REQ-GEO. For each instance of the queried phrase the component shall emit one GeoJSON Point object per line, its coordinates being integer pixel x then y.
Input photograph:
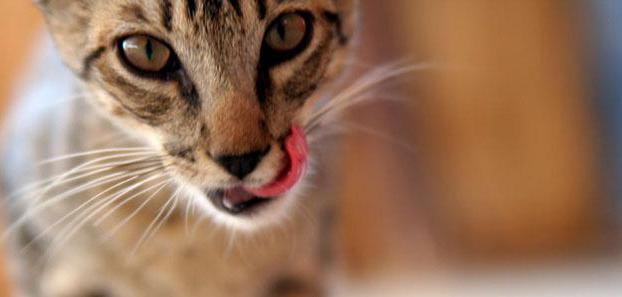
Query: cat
{"type": "Point", "coordinates": [187, 146]}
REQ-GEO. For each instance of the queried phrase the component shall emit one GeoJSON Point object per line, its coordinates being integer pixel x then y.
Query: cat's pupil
{"type": "Point", "coordinates": [282, 31]}
{"type": "Point", "coordinates": [149, 49]}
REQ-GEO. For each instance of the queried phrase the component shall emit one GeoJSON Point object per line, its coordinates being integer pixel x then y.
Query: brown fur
{"type": "Point", "coordinates": [226, 101]}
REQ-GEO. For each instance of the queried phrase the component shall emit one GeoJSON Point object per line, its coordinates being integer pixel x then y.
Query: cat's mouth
{"type": "Point", "coordinates": [238, 201]}
{"type": "Point", "coordinates": [243, 200]}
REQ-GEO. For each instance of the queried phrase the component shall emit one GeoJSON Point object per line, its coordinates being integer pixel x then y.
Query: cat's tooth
{"type": "Point", "coordinates": [228, 204]}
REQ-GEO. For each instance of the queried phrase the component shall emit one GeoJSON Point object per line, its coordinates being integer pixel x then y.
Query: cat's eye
{"type": "Point", "coordinates": [288, 32]}
{"type": "Point", "coordinates": [146, 53]}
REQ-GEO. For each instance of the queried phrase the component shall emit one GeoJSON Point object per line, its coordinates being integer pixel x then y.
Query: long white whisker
{"type": "Point", "coordinates": [136, 175]}
{"type": "Point", "coordinates": [74, 170]}
{"type": "Point", "coordinates": [135, 212]}
{"type": "Point", "coordinates": [350, 95]}
{"type": "Point", "coordinates": [392, 140]}
{"type": "Point", "coordinates": [33, 185]}
{"type": "Point", "coordinates": [97, 152]}
{"type": "Point", "coordinates": [189, 203]}
{"type": "Point", "coordinates": [165, 218]}
{"type": "Point", "coordinates": [65, 235]}
{"type": "Point", "coordinates": [76, 210]}
{"type": "Point", "coordinates": [364, 82]}
{"type": "Point", "coordinates": [129, 199]}
{"type": "Point", "coordinates": [154, 222]}
{"type": "Point", "coordinates": [36, 190]}
{"type": "Point", "coordinates": [101, 207]}
{"type": "Point", "coordinates": [66, 195]}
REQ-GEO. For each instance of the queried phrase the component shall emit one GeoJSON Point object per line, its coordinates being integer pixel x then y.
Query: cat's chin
{"type": "Point", "coordinates": [247, 205]}
{"type": "Point", "coordinates": [238, 201]}
{"type": "Point", "coordinates": [250, 214]}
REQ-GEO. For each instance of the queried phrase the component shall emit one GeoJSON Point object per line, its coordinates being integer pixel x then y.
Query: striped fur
{"type": "Point", "coordinates": [227, 98]}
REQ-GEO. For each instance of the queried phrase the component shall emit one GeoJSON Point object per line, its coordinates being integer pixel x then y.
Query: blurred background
{"type": "Point", "coordinates": [497, 171]}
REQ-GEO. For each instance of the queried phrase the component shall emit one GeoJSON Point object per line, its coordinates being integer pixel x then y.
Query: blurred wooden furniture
{"type": "Point", "coordinates": [506, 122]}
{"type": "Point", "coordinates": [504, 128]}
{"type": "Point", "coordinates": [19, 25]}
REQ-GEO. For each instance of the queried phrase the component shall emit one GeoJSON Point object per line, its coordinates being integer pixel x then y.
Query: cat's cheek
{"type": "Point", "coordinates": [196, 175]}
{"type": "Point", "coordinates": [109, 108]}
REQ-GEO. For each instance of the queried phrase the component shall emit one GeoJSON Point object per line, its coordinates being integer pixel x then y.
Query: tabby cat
{"type": "Point", "coordinates": [185, 150]}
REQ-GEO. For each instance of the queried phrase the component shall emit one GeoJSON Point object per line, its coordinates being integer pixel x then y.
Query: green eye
{"type": "Point", "coordinates": [287, 32]}
{"type": "Point", "coordinates": [146, 53]}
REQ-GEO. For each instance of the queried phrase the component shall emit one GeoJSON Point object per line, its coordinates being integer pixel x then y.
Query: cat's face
{"type": "Point", "coordinates": [221, 87]}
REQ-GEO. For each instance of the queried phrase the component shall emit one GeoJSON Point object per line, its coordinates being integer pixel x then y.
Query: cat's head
{"type": "Point", "coordinates": [221, 87]}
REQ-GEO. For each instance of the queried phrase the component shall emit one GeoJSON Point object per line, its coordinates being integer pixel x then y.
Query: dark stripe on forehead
{"type": "Point", "coordinates": [167, 15]}
{"type": "Point", "coordinates": [134, 12]}
{"type": "Point", "coordinates": [89, 60]}
{"type": "Point", "coordinates": [261, 8]}
{"type": "Point", "coordinates": [236, 6]}
{"type": "Point", "coordinates": [191, 8]}
{"type": "Point", "coordinates": [212, 8]}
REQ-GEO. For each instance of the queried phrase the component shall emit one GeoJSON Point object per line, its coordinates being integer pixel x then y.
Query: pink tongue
{"type": "Point", "coordinates": [297, 151]}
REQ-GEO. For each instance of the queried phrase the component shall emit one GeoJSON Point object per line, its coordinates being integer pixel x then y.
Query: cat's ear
{"type": "Point", "coordinates": [63, 7]}
{"type": "Point", "coordinates": [69, 23]}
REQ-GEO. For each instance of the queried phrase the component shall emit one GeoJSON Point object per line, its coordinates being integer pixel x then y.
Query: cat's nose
{"type": "Point", "coordinates": [241, 165]}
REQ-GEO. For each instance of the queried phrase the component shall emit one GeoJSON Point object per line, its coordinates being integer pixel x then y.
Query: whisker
{"type": "Point", "coordinates": [94, 183]}
{"type": "Point", "coordinates": [59, 241]}
{"type": "Point", "coordinates": [350, 95]}
{"type": "Point", "coordinates": [80, 208]}
{"type": "Point", "coordinates": [147, 231]}
{"type": "Point", "coordinates": [165, 218]}
{"type": "Point", "coordinates": [189, 204]}
{"type": "Point", "coordinates": [145, 150]}
{"type": "Point", "coordinates": [135, 212]}
{"type": "Point", "coordinates": [230, 243]}
{"type": "Point", "coordinates": [92, 167]}
{"type": "Point", "coordinates": [36, 190]}
{"type": "Point", "coordinates": [66, 195]}
{"type": "Point", "coordinates": [197, 223]}
{"type": "Point", "coordinates": [390, 139]}
{"type": "Point", "coordinates": [62, 178]}
{"type": "Point", "coordinates": [106, 202]}
{"type": "Point", "coordinates": [365, 81]}
{"type": "Point", "coordinates": [129, 199]}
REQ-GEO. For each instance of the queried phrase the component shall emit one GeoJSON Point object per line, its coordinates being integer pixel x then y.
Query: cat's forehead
{"type": "Point", "coordinates": [207, 13]}
{"type": "Point", "coordinates": [223, 32]}
{"type": "Point", "coordinates": [221, 25]}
